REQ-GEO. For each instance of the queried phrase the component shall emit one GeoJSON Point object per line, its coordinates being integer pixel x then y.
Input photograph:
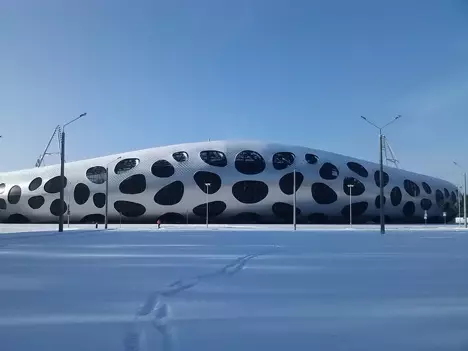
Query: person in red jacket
{"type": "Point", "coordinates": [159, 223]}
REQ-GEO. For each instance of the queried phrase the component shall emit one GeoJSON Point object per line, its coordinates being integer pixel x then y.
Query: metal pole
{"type": "Point", "coordinates": [107, 198]}
{"type": "Point", "coordinates": [68, 210]}
{"type": "Point", "coordinates": [464, 201]}
{"type": "Point", "coordinates": [294, 199]}
{"type": "Point", "coordinates": [206, 205]}
{"type": "Point", "coordinates": [62, 181]}
{"type": "Point", "coordinates": [350, 206]}
{"type": "Point", "coordinates": [382, 216]}
{"type": "Point", "coordinates": [459, 207]}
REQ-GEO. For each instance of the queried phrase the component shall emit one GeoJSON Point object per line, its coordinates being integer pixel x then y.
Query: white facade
{"type": "Point", "coordinates": [250, 182]}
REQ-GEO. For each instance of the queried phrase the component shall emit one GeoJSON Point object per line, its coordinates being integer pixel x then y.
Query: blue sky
{"type": "Point", "coordinates": [152, 73]}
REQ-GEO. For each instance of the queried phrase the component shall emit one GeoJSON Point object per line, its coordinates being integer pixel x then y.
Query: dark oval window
{"type": "Point", "coordinates": [81, 193]}
{"type": "Point", "coordinates": [126, 165]}
{"type": "Point", "coordinates": [353, 186]}
{"type": "Point", "coordinates": [357, 209]}
{"type": "Point", "coordinates": [329, 171]}
{"type": "Point", "coordinates": [323, 194]}
{"type": "Point", "coordinates": [171, 194]}
{"type": "Point", "coordinates": [386, 178]}
{"type": "Point", "coordinates": [214, 158]}
{"type": "Point", "coordinates": [286, 182]}
{"type": "Point", "coordinates": [426, 188]}
{"type": "Point", "coordinates": [14, 195]}
{"type": "Point", "coordinates": [56, 207]}
{"type": "Point", "coordinates": [2, 188]}
{"type": "Point", "coordinates": [180, 156]}
{"type": "Point", "coordinates": [54, 185]}
{"type": "Point", "coordinates": [36, 202]}
{"type": "Point", "coordinates": [3, 204]}
{"type": "Point", "coordinates": [96, 175]}
{"type": "Point", "coordinates": [162, 169]}
{"type": "Point", "coordinates": [129, 209]}
{"type": "Point", "coordinates": [17, 218]}
{"type": "Point", "coordinates": [453, 197]}
{"type": "Point", "coordinates": [249, 162]}
{"type": "Point", "coordinates": [439, 198]}
{"type": "Point", "coordinates": [426, 204]}
{"type": "Point", "coordinates": [202, 178]}
{"type": "Point", "coordinates": [311, 159]}
{"type": "Point", "coordinates": [396, 196]}
{"type": "Point", "coordinates": [411, 188]}
{"type": "Point", "coordinates": [377, 201]}
{"type": "Point", "coordinates": [99, 200]}
{"type": "Point", "coordinates": [93, 218]}
{"type": "Point", "coordinates": [284, 211]}
{"type": "Point", "coordinates": [172, 217]}
{"type": "Point", "coordinates": [249, 191]}
{"type": "Point", "coordinates": [35, 183]}
{"type": "Point", "coordinates": [358, 169]}
{"type": "Point", "coordinates": [134, 184]}
{"type": "Point", "coordinates": [282, 160]}
{"type": "Point", "coordinates": [215, 208]}
{"type": "Point", "coordinates": [409, 208]}
{"type": "Point", "coordinates": [446, 193]}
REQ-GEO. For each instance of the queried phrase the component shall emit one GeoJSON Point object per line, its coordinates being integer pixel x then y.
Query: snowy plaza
{"type": "Point", "coordinates": [233, 288]}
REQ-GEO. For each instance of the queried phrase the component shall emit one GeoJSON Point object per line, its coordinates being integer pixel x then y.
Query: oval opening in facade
{"type": "Point", "coordinates": [126, 165]}
{"type": "Point", "coordinates": [358, 169]}
{"type": "Point", "coordinates": [180, 156]}
{"type": "Point", "coordinates": [214, 158]}
{"type": "Point", "coordinates": [282, 160]}
{"type": "Point", "coordinates": [96, 175]}
{"type": "Point", "coordinates": [249, 162]}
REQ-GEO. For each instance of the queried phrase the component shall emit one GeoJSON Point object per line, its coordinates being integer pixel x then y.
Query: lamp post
{"type": "Point", "coordinates": [294, 198]}
{"type": "Point", "coordinates": [350, 186]}
{"type": "Point", "coordinates": [207, 187]}
{"type": "Point", "coordinates": [107, 193]}
{"type": "Point", "coordinates": [381, 180]}
{"type": "Point", "coordinates": [68, 209]}
{"type": "Point", "coordinates": [62, 170]}
{"type": "Point", "coordinates": [464, 192]}
{"type": "Point", "coordinates": [459, 189]}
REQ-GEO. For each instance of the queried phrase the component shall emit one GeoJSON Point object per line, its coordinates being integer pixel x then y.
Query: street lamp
{"type": "Point", "coordinates": [207, 186]}
{"type": "Point", "coordinates": [107, 193]}
{"type": "Point", "coordinates": [350, 186]}
{"type": "Point", "coordinates": [464, 192]}
{"type": "Point", "coordinates": [62, 170]}
{"type": "Point", "coordinates": [381, 185]}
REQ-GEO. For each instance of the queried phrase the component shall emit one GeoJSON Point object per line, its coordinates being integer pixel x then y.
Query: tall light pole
{"type": "Point", "coordinates": [459, 189]}
{"type": "Point", "coordinates": [294, 198]}
{"type": "Point", "coordinates": [62, 170]}
{"type": "Point", "coordinates": [68, 209]}
{"type": "Point", "coordinates": [207, 187]}
{"type": "Point", "coordinates": [464, 192]}
{"type": "Point", "coordinates": [107, 192]}
{"type": "Point", "coordinates": [350, 187]}
{"type": "Point", "coordinates": [381, 178]}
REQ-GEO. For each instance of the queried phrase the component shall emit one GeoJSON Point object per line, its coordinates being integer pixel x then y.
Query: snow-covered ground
{"type": "Point", "coordinates": [233, 288]}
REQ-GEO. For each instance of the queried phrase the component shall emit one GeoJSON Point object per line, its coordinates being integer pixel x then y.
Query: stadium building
{"type": "Point", "coordinates": [242, 182]}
